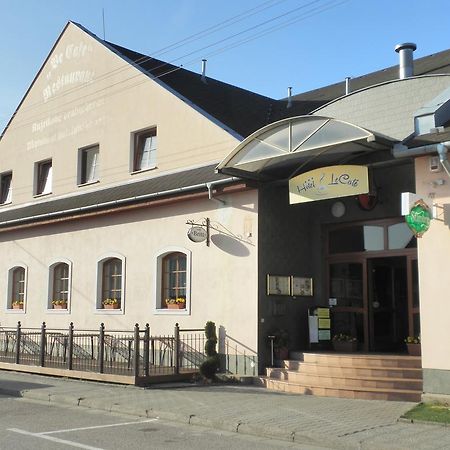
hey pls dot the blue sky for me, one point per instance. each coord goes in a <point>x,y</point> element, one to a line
<point>326,41</point>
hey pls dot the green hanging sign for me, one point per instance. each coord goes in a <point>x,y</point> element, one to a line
<point>419,218</point>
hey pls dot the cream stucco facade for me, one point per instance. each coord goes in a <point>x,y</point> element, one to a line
<point>87,95</point>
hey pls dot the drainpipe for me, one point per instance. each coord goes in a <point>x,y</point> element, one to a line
<point>210,194</point>
<point>442,152</point>
<point>402,151</point>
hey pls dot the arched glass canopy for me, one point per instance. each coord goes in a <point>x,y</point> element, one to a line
<point>298,144</point>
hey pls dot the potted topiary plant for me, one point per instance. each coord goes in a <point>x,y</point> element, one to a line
<point>211,365</point>
<point>413,345</point>
<point>344,343</point>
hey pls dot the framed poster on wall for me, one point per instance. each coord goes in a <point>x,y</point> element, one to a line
<point>302,286</point>
<point>278,285</point>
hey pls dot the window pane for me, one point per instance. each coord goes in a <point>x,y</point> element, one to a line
<point>174,277</point>
<point>346,240</point>
<point>373,238</point>
<point>61,282</point>
<point>5,188</point>
<point>18,288</point>
<point>44,183</point>
<point>89,165</point>
<point>112,279</point>
<point>145,150</point>
<point>400,236</point>
<point>346,284</point>
<point>356,239</point>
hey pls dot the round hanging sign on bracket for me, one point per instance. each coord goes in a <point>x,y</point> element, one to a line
<point>197,234</point>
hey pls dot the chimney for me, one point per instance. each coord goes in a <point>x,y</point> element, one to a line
<point>204,70</point>
<point>289,97</point>
<point>405,52</point>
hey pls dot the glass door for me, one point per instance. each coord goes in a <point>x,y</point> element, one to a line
<point>347,286</point>
<point>388,302</point>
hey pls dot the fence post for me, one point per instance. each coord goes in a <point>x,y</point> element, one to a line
<point>176,345</point>
<point>18,338</point>
<point>101,350</point>
<point>42,346</point>
<point>70,347</point>
<point>147,350</point>
<point>136,350</point>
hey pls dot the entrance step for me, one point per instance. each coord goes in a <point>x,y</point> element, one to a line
<point>331,391</point>
<point>364,376</point>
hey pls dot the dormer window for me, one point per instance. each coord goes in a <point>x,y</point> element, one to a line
<point>44,177</point>
<point>5,188</point>
<point>145,145</point>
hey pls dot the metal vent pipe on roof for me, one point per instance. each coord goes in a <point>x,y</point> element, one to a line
<point>405,52</point>
<point>289,98</point>
<point>347,85</point>
<point>204,70</point>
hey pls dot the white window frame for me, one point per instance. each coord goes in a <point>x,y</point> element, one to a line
<point>82,178</point>
<point>8,198</point>
<point>51,279</point>
<point>9,289</point>
<point>153,152</point>
<point>48,185</point>
<point>99,276</point>
<point>158,281</point>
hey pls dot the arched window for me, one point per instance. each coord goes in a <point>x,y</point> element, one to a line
<point>16,288</point>
<point>111,284</point>
<point>173,277</point>
<point>172,284</point>
<point>59,286</point>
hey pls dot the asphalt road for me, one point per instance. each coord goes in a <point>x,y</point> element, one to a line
<point>31,425</point>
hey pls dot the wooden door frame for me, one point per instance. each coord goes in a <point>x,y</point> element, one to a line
<point>362,258</point>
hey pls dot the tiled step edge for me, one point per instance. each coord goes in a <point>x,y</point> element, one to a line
<point>333,391</point>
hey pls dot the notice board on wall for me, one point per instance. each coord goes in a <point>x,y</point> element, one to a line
<point>319,324</point>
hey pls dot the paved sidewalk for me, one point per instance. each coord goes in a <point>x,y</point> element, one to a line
<point>316,421</point>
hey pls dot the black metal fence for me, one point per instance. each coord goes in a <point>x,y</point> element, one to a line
<point>136,353</point>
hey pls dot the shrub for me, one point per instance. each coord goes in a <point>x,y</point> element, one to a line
<point>210,366</point>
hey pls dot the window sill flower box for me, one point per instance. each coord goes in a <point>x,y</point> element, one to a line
<point>111,303</point>
<point>176,303</point>
<point>176,306</point>
<point>59,304</point>
<point>17,306</point>
<point>113,306</point>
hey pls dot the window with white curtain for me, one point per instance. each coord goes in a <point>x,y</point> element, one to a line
<point>89,165</point>
<point>44,176</point>
<point>5,188</point>
<point>145,146</point>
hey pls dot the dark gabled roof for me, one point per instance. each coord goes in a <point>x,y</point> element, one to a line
<point>131,193</point>
<point>240,110</point>
<point>438,63</point>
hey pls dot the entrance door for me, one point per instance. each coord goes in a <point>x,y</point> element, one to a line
<point>387,282</point>
<point>373,283</point>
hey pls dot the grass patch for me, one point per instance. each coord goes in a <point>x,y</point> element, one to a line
<point>430,412</point>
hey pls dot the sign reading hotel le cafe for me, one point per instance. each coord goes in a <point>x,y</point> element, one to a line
<point>329,182</point>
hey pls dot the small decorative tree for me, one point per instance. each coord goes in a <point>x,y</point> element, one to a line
<point>210,366</point>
